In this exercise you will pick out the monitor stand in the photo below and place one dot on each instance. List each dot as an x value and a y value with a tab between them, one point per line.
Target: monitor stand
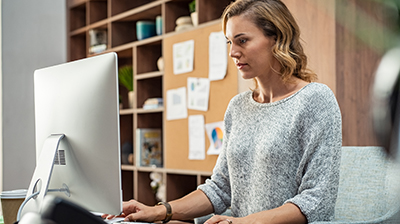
38	187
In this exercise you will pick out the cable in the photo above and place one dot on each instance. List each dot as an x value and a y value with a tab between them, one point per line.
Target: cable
23	204
34	195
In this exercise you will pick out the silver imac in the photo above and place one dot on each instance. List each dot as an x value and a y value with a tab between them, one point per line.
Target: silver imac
77	135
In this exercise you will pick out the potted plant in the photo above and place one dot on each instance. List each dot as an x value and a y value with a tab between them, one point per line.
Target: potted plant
125	77
193	13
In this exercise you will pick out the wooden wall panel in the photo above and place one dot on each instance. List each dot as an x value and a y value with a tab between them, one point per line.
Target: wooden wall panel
356	61
344	42
317	25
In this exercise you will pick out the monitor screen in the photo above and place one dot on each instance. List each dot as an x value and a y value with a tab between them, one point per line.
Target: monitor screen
77	104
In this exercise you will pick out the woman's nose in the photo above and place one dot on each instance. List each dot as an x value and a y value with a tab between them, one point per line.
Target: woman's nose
234	52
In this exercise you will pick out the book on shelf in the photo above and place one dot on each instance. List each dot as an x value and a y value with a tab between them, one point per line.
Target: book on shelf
97	49
98	40
153	103
149	147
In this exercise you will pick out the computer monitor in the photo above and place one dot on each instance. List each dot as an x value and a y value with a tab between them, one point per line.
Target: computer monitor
77	111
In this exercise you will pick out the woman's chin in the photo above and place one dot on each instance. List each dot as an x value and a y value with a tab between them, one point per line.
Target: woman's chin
246	75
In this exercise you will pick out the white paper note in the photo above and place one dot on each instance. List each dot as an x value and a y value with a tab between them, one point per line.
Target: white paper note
197	146
218	56
176	104
183	56
198	93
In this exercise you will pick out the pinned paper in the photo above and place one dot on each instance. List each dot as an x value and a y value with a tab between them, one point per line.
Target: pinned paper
197	146
176	104
198	93
218	56
183	56
215	133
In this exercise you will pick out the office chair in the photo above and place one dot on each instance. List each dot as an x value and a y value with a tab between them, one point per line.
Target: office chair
385	102
60	211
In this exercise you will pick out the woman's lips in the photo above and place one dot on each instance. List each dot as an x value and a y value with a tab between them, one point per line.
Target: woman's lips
240	65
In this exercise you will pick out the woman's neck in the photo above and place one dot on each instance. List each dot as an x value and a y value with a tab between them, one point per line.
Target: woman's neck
274	89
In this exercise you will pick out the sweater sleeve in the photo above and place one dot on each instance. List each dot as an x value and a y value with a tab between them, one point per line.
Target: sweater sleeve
318	172
218	188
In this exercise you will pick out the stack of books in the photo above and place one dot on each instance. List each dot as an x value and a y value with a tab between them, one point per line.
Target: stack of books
98	41
153	103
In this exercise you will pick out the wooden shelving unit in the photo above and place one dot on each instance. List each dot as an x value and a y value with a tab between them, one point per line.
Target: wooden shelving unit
119	18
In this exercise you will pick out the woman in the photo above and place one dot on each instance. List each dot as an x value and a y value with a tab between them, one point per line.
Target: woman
281	148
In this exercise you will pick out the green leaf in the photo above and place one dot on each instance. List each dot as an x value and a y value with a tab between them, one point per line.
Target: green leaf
192	6
125	76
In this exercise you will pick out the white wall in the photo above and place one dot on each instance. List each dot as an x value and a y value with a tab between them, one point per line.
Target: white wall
33	36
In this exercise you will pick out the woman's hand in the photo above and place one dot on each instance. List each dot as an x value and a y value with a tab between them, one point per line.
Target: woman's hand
287	213
136	211
222	219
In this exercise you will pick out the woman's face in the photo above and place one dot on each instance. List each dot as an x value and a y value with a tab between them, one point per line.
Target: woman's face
250	49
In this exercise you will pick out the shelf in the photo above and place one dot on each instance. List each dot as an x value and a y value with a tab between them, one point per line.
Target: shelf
129	111
78	44
126	129
148	88
120	6
151	52
189	172
123	32
179	185
80	31
209	10
178	182
150	169
127	167
174	10
125	56
119	18
203	174
146	12
103	24
97	11
127	177
145	111
123	50
75	3
150	41
77	16
150	120
149	75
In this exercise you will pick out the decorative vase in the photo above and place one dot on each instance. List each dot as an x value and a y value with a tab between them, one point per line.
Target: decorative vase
195	18
145	29
159	25
131	98
160	64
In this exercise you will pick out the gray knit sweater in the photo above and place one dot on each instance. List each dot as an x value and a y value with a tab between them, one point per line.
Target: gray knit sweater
280	152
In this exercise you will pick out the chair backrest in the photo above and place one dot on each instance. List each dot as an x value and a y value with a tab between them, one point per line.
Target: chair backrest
368	184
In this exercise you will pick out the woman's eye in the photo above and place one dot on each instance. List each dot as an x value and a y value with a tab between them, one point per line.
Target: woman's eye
242	41
228	42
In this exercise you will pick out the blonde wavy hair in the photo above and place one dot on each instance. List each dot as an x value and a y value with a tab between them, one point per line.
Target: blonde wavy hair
275	20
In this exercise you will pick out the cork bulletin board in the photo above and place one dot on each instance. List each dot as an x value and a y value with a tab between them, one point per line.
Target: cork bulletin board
221	92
